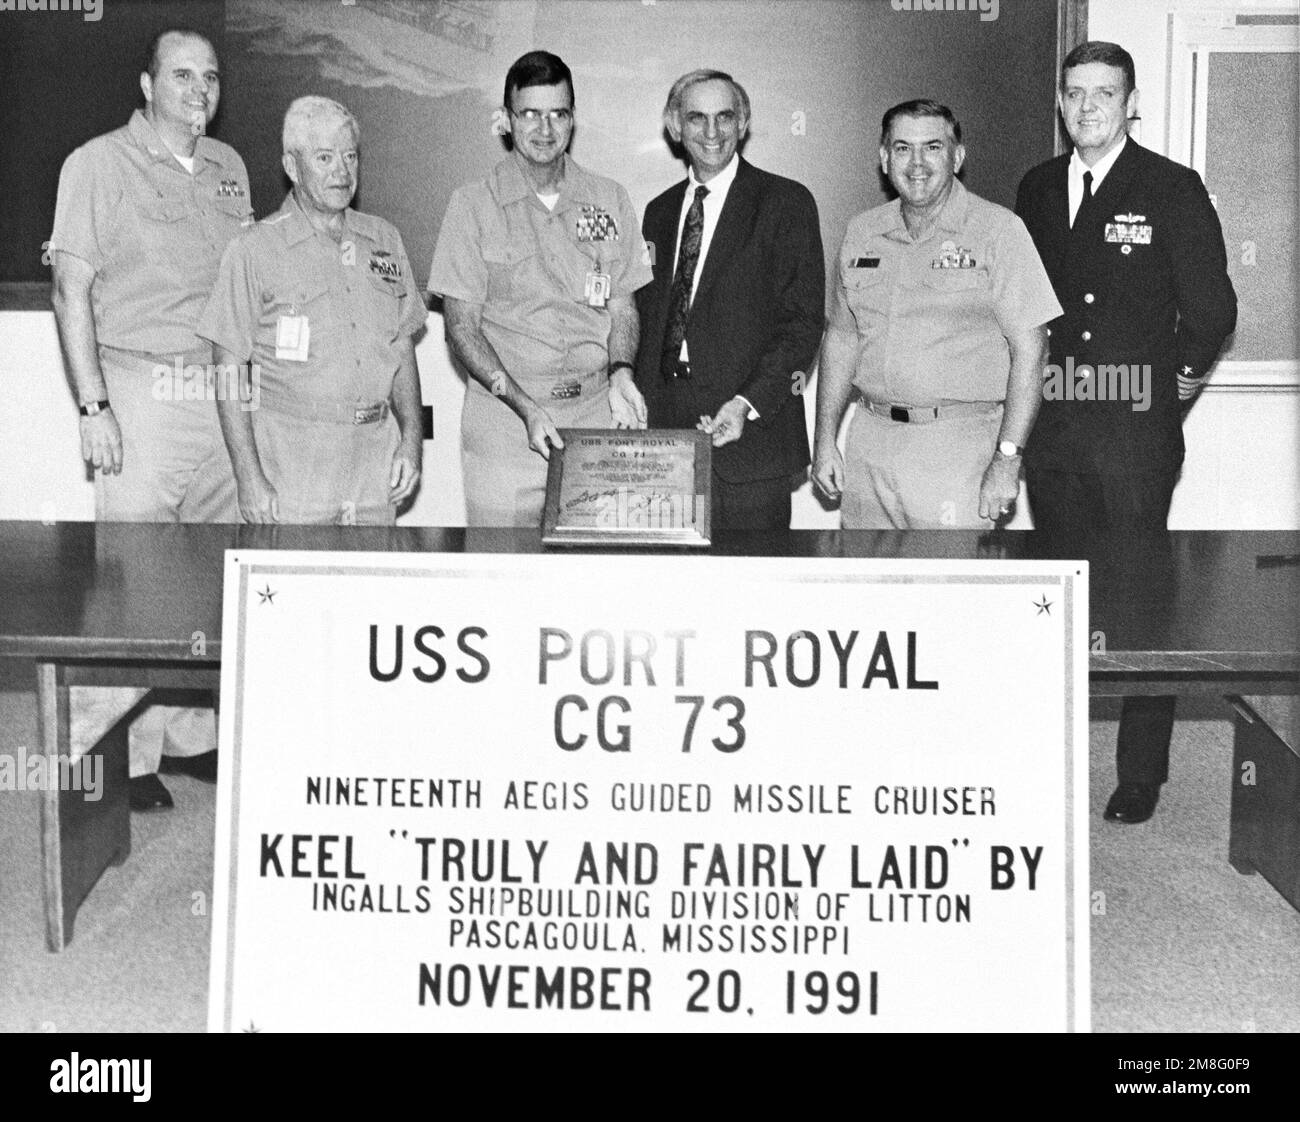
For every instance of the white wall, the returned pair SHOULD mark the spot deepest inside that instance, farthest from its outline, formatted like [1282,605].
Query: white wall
[1242,468]
[41,474]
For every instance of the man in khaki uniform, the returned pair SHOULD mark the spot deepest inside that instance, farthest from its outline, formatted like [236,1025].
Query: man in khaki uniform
[938,329]
[142,218]
[320,297]
[537,265]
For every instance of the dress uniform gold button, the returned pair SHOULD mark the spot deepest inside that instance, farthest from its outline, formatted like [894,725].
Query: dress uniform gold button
[1086,336]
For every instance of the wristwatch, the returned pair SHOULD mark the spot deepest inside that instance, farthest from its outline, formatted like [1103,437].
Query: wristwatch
[94,408]
[1009,449]
[613,366]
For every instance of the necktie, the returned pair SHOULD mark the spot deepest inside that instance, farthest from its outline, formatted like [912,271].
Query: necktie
[1087,194]
[679,296]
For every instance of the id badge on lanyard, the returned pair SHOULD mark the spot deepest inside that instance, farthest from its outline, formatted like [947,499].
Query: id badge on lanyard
[292,338]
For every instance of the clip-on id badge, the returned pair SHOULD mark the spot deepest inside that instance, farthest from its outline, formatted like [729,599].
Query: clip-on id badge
[597,288]
[292,338]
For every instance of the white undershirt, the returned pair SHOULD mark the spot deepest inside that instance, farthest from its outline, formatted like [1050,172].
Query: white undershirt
[187,162]
[549,201]
[1099,170]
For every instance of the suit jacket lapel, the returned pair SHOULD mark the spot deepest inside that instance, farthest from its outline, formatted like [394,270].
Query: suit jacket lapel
[664,236]
[728,236]
[1110,194]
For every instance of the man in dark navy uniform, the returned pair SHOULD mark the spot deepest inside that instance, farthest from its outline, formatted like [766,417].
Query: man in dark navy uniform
[1135,253]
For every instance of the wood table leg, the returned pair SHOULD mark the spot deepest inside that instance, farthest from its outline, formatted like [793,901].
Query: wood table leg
[85,810]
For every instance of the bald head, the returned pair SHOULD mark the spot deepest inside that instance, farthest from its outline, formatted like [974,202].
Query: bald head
[174,36]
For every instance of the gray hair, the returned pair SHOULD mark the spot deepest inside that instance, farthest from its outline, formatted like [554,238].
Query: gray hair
[673,108]
[305,112]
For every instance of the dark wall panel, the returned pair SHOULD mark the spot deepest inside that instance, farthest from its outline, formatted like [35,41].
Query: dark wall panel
[63,80]
[424,77]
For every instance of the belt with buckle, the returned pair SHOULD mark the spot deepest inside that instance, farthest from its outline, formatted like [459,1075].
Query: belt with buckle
[923,414]
[566,390]
[369,414]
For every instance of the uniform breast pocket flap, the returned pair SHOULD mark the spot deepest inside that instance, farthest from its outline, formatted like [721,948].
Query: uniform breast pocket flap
[500,250]
[237,209]
[309,295]
[867,289]
[164,211]
[509,265]
[300,313]
[957,280]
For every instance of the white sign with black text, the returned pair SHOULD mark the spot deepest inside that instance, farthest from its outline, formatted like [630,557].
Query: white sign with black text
[491,792]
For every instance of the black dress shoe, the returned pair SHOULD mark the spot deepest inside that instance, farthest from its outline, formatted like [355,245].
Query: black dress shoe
[202,767]
[1132,802]
[148,793]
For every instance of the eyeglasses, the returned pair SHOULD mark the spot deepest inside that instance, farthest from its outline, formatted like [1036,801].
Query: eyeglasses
[557,117]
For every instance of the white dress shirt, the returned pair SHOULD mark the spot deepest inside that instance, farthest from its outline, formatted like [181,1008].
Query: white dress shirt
[1099,170]
[718,187]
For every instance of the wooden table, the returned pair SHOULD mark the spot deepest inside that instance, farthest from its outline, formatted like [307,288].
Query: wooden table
[140,605]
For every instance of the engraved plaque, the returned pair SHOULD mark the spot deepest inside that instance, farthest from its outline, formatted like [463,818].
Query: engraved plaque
[629,487]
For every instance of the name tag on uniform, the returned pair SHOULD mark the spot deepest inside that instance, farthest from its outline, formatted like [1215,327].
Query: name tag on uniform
[292,338]
[596,225]
[1129,229]
[597,289]
[865,263]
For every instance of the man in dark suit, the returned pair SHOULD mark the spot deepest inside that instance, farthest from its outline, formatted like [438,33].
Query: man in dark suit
[1135,253]
[734,314]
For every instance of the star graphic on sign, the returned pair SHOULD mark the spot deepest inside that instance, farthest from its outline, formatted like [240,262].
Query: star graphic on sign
[1044,605]
[252,1028]
[268,597]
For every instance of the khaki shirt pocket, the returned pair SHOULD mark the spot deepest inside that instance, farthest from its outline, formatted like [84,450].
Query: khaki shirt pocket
[233,211]
[310,299]
[956,280]
[384,305]
[164,211]
[509,267]
[163,229]
[868,293]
